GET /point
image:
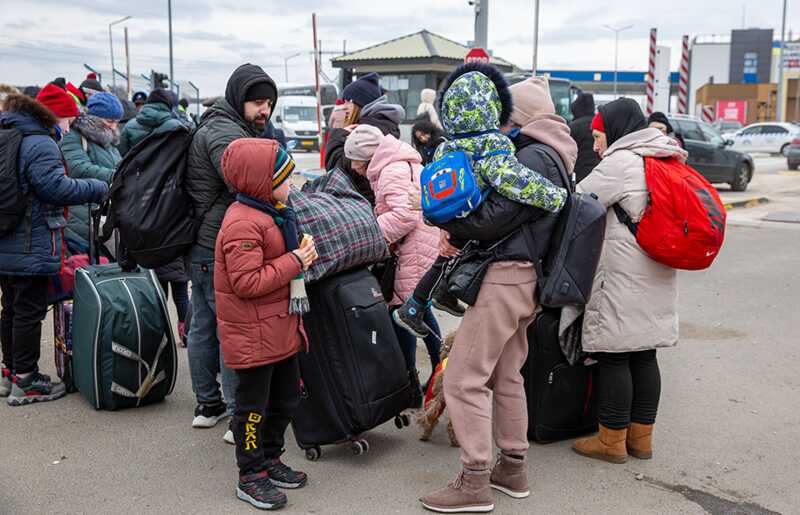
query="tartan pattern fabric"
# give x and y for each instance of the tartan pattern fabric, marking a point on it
(345, 230)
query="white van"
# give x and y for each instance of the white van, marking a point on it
(297, 117)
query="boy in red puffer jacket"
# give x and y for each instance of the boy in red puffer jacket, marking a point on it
(260, 296)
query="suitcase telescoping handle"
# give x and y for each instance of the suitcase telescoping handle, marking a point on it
(94, 226)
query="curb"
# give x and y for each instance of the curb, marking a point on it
(748, 203)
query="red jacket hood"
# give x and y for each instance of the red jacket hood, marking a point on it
(248, 164)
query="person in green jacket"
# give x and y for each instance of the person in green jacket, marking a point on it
(91, 153)
(156, 115)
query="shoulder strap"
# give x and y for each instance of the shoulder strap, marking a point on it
(464, 135)
(478, 157)
(625, 219)
(84, 143)
(569, 182)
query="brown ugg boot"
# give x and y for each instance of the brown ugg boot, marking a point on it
(640, 441)
(608, 445)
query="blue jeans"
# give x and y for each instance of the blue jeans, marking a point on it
(205, 358)
(408, 342)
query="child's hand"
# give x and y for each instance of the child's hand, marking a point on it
(415, 198)
(445, 249)
(306, 254)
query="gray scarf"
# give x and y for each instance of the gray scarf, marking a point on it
(93, 129)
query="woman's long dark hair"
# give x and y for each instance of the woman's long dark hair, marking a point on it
(423, 124)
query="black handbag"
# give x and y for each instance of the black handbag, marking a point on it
(466, 271)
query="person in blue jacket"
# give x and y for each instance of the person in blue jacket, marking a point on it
(34, 250)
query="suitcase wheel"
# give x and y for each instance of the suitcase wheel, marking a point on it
(359, 447)
(401, 421)
(313, 454)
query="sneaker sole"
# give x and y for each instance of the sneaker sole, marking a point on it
(461, 509)
(405, 326)
(288, 486)
(442, 307)
(24, 401)
(511, 493)
(202, 422)
(258, 504)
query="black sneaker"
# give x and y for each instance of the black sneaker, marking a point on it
(283, 476)
(208, 416)
(410, 316)
(259, 491)
(35, 388)
(446, 301)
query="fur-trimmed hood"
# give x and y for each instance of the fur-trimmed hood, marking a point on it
(475, 98)
(23, 104)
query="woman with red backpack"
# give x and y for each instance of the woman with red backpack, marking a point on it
(633, 309)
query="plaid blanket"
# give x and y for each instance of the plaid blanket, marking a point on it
(342, 223)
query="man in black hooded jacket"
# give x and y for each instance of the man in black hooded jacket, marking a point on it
(581, 131)
(242, 113)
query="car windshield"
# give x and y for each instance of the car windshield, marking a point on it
(300, 113)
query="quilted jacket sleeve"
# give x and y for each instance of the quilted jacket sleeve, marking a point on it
(50, 183)
(243, 251)
(398, 220)
(78, 160)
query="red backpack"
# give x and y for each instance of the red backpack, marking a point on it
(683, 225)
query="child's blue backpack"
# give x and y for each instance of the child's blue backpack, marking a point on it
(449, 189)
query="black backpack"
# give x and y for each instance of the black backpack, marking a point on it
(571, 261)
(148, 203)
(13, 202)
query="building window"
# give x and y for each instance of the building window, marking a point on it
(405, 90)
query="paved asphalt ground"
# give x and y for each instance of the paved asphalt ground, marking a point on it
(726, 440)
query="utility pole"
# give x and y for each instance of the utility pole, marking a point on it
(481, 23)
(616, 50)
(171, 70)
(111, 47)
(127, 63)
(779, 100)
(535, 36)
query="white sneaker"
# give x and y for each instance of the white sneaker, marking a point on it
(228, 437)
(209, 416)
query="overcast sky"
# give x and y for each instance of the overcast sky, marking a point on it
(43, 39)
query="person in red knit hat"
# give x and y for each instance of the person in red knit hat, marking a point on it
(599, 135)
(61, 104)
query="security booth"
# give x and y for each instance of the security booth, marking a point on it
(409, 64)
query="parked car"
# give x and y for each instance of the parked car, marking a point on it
(711, 154)
(727, 127)
(768, 137)
(793, 154)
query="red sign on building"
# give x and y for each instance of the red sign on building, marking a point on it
(477, 55)
(732, 111)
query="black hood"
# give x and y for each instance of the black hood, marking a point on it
(583, 105)
(242, 79)
(620, 118)
(660, 117)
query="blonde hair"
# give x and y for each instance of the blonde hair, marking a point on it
(353, 117)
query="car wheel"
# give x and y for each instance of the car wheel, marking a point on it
(785, 150)
(742, 177)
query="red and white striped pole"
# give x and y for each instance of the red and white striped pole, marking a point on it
(651, 73)
(683, 82)
(708, 114)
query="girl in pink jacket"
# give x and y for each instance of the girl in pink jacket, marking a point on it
(393, 167)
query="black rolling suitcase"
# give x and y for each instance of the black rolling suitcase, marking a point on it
(561, 403)
(354, 375)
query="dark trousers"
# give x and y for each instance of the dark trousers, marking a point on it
(24, 303)
(180, 296)
(265, 402)
(424, 290)
(433, 342)
(629, 388)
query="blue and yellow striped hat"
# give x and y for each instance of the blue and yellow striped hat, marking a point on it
(284, 167)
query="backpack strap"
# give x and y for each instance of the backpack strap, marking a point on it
(478, 157)
(625, 219)
(464, 135)
(569, 180)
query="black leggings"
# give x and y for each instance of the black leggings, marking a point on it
(422, 293)
(629, 388)
(180, 296)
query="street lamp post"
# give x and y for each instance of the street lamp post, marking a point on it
(286, 64)
(111, 47)
(779, 101)
(535, 35)
(616, 32)
(171, 74)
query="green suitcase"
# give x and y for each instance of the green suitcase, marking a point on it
(123, 348)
